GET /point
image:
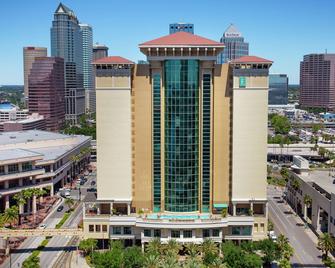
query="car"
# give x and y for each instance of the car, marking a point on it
(93, 183)
(82, 182)
(67, 194)
(60, 208)
(272, 236)
(42, 226)
(91, 189)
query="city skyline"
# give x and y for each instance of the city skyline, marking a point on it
(265, 35)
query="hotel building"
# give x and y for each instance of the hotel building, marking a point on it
(182, 145)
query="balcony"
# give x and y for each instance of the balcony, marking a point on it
(17, 189)
(22, 174)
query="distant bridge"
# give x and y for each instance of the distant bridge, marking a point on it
(7, 233)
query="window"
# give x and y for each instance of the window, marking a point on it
(104, 228)
(91, 228)
(2, 170)
(127, 230)
(157, 233)
(262, 227)
(256, 227)
(27, 166)
(13, 168)
(187, 233)
(242, 82)
(147, 232)
(241, 230)
(205, 233)
(116, 230)
(215, 232)
(175, 233)
(98, 228)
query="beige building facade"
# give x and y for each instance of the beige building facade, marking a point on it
(182, 145)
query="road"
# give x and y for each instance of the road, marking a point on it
(285, 222)
(56, 244)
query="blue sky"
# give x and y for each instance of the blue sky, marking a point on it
(282, 31)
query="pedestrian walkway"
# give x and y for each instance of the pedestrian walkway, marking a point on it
(78, 261)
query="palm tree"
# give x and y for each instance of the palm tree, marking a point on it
(193, 263)
(308, 203)
(192, 250)
(20, 201)
(151, 260)
(69, 202)
(11, 215)
(169, 261)
(326, 243)
(154, 247)
(295, 184)
(172, 248)
(208, 246)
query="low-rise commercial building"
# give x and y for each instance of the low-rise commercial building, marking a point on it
(312, 194)
(39, 159)
(31, 122)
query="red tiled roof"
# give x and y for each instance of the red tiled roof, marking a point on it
(251, 59)
(181, 39)
(113, 59)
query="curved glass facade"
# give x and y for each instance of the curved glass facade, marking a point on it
(181, 135)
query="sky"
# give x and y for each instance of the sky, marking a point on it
(282, 31)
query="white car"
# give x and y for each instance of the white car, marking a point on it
(272, 235)
(42, 226)
(67, 194)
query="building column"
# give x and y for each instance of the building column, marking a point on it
(111, 208)
(98, 210)
(34, 204)
(28, 205)
(6, 184)
(266, 209)
(21, 209)
(305, 212)
(234, 209)
(128, 209)
(6, 201)
(52, 190)
(142, 244)
(20, 182)
(252, 207)
(62, 182)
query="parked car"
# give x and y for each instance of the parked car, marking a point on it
(272, 236)
(67, 194)
(42, 226)
(60, 208)
(82, 182)
(93, 183)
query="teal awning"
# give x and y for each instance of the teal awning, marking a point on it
(220, 206)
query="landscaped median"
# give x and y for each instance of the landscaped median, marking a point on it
(33, 261)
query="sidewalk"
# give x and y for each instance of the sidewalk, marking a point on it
(78, 261)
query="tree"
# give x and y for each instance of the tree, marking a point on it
(88, 245)
(281, 124)
(307, 200)
(172, 248)
(69, 202)
(322, 151)
(326, 243)
(295, 184)
(20, 201)
(133, 258)
(151, 260)
(169, 262)
(192, 250)
(154, 247)
(32, 262)
(316, 128)
(11, 215)
(209, 252)
(269, 249)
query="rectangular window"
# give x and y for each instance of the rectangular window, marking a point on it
(175, 233)
(241, 230)
(205, 233)
(157, 141)
(157, 233)
(13, 168)
(127, 230)
(147, 232)
(98, 228)
(206, 140)
(262, 227)
(116, 230)
(215, 232)
(27, 166)
(91, 228)
(104, 228)
(187, 233)
(2, 170)
(243, 82)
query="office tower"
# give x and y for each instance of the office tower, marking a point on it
(46, 91)
(278, 89)
(66, 42)
(181, 27)
(174, 145)
(29, 55)
(87, 41)
(317, 81)
(235, 47)
(99, 51)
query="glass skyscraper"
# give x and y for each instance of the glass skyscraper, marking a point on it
(66, 42)
(235, 47)
(181, 27)
(87, 41)
(278, 89)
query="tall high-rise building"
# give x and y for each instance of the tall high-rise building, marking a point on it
(278, 89)
(29, 55)
(99, 51)
(66, 42)
(87, 41)
(317, 81)
(181, 27)
(46, 91)
(174, 145)
(235, 47)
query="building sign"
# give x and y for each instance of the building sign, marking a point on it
(243, 81)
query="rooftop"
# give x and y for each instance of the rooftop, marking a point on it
(17, 153)
(322, 178)
(113, 60)
(251, 59)
(181, 39)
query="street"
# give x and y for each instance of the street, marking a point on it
(56, 244)
(285, 222)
